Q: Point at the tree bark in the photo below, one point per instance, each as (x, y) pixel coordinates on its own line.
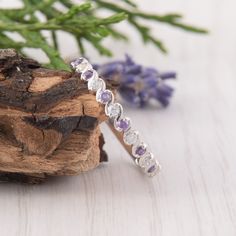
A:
(49, 122)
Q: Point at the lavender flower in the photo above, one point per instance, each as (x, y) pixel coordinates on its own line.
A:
(138, 84)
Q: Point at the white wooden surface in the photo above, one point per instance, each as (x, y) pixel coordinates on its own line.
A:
(195, 139)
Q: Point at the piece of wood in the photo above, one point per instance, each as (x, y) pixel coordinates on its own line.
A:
(48, 122)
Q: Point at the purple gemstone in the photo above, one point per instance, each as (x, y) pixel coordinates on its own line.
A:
(123, 124)
(105, 96)
(140, 150)
(88, 74)
(76, 62)
(152, 169)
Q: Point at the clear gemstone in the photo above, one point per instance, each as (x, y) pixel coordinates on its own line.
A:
(122, 124)
(81, 65)
(146, 161)
(113, 110)
(95, 84)
(131, 137)
(104, 96)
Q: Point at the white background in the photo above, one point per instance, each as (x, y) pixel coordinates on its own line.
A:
(195, 140)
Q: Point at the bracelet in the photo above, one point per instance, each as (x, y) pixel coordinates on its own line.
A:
(119, 124)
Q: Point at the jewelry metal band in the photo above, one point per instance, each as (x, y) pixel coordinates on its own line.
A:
(120, 124)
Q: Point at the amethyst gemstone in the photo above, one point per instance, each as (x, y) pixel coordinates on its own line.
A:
(76, 62)
(88, 74)
(105, 96)
(123, 124)
(152, 169)
(140, 150)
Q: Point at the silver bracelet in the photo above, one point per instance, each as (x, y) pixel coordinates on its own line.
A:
(119, 124)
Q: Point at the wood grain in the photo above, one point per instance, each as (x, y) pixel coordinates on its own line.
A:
(49, 122)
(194, 139)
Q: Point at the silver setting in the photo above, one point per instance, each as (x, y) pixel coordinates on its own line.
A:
(81, 64)
(95, 84)
(122, 124)
(139, 153)
(144, 159)
(108, 93)
(153, 170)
(94, 76)
(114, 110)
(131, 137)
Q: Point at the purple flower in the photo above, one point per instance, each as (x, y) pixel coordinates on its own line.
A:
(138, 84)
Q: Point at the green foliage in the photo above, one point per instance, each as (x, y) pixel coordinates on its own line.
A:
(81, 21)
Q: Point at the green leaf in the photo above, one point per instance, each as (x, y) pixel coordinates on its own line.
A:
(83, 22)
